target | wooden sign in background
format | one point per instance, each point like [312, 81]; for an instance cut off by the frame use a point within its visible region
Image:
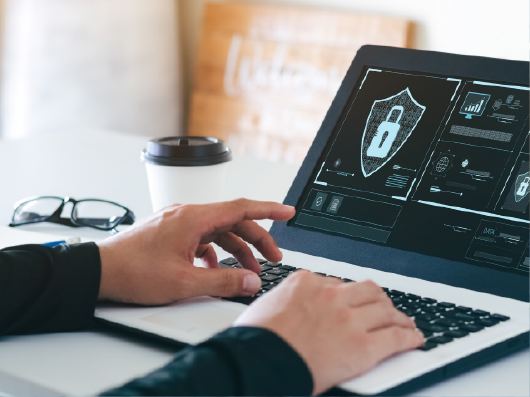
[266, 75]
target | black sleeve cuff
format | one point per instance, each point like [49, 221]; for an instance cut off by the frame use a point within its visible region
[266, 364]
[48, 289]
[239, 361]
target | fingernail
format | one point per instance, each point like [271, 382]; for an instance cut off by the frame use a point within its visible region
[251, 283]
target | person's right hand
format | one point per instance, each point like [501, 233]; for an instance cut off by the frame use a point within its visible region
[341, 330]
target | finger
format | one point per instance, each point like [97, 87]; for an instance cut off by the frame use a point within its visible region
[363, 293]
[225, 282]
[241, 251]
[207, 255]
[381, 315]
[220, 215]
[388, 341]
[254, 234]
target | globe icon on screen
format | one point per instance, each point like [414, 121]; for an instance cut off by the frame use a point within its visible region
[442, 164]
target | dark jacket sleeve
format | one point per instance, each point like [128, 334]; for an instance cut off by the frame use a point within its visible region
[239, 361]
[46, 289]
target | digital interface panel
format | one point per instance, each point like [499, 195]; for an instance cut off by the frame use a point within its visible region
[432, 164]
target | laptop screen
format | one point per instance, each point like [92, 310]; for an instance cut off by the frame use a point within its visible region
[432, 164]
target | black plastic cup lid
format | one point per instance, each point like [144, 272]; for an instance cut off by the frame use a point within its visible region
[186, 151]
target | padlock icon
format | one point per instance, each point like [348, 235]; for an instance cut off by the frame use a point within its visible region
[385, 136]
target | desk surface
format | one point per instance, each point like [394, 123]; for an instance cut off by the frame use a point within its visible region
[106, 165]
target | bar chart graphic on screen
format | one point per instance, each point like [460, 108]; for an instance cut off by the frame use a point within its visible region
[474, 104]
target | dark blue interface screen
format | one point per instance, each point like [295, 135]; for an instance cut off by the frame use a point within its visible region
[432, 164]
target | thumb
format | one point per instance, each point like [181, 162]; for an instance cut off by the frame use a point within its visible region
[226, 282]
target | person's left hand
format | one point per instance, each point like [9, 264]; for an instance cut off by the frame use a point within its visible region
[152, 262]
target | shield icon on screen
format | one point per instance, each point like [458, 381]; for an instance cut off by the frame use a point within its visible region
[389, 125]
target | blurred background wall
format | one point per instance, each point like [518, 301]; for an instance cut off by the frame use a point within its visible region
[90, 64]
[128, 65]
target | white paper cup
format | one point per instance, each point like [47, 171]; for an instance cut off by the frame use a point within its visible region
[185, 170]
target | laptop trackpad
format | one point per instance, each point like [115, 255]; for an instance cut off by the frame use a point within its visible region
[197, 318]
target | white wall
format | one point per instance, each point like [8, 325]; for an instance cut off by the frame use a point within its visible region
[491, 28]
[73, 65]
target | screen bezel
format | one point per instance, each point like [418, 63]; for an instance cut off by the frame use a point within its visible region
[411, 264]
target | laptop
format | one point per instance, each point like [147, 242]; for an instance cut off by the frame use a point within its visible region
[418, 179]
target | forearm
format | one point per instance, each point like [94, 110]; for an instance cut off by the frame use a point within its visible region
[48, 289]
[238, 361]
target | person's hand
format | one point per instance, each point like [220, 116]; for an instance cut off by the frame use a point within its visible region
[152, 262]
[341, 330]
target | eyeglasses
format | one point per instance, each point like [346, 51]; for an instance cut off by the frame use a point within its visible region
[94, 213]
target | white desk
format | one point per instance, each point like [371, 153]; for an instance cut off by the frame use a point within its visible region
[105, 165]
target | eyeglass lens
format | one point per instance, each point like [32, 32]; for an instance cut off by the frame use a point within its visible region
[97, 214]
[36, 210]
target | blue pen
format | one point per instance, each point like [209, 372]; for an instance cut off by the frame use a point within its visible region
[72, 240]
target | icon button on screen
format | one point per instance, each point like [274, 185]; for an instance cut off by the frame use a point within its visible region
[318, 203]
[334, 205]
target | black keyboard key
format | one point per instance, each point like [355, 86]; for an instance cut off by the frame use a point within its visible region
[427, 316]
[464, 309]
[440, 340]
[238, 266]
[261, 261]
[257, 295]
[449, 322]
[429, 301]
[500, 317]
[396, 292]
[461, 316]
[480, 313]
[268, 287]
[385, 290]
[432, 309]
[456, 333]
[423, 325]
[288, 268]
[427, 346]
[320, 274]
[407, 311]
[277, 271]
[348, 280]
[273, 264]
[446, 305]
[426, 334]
[413, 297]
[397, 301]
[269, 277]
[471, 327]
[229, 261]
[404, 306]
[413, 304]
[264, 268]
[330, 276]
[488, 322]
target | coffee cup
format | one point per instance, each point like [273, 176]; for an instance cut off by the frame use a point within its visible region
[185, 170]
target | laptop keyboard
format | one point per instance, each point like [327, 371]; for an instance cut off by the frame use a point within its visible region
[440, 322]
